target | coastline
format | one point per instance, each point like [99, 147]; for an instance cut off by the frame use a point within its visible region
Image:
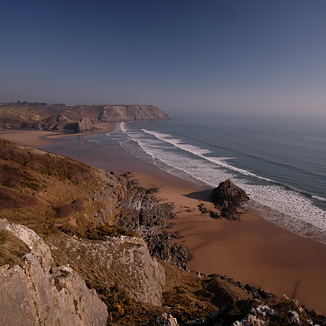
[36, 138]
[251, 251]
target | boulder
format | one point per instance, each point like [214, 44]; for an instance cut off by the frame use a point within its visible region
[227, 196]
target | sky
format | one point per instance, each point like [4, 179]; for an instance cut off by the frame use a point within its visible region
[183, 56]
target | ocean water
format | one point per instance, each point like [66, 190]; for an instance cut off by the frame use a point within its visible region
[280, 163]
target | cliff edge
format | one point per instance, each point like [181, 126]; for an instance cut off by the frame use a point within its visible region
[72, 118]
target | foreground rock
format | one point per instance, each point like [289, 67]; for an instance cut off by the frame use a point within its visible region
[122, 261]
[228, 197]
[33, 294]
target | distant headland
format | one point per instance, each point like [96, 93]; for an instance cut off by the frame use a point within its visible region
[74, 118]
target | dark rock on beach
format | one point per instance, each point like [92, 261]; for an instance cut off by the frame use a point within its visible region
[227, 196]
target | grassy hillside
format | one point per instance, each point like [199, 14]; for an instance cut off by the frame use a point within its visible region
[44, 191]
[59, 197]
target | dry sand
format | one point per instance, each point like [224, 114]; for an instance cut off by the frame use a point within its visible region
[43, 138]
[27, 137]
[251, 251]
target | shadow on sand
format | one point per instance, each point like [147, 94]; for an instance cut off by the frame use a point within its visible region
[203, 195]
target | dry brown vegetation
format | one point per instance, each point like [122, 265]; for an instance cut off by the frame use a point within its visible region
[12, 249]
[46, 191]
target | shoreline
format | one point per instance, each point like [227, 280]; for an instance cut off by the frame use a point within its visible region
[252, 251]
[36, 138]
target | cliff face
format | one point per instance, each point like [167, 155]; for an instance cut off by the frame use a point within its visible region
[76, 118]
[117, 113]
[67, 203]
[35, 294]
[123, 260]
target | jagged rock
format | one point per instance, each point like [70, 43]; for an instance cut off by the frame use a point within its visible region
[161, 247]
[164, 320]
[122, 261]
[52, 122]
[85, 125]
[294, 317]
[227, 196]
[33, 295]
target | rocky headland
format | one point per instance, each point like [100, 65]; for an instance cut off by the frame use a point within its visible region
[83, 246]
[71, 118]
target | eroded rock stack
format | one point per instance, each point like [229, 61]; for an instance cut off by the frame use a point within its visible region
[85, 125]
[228, 197]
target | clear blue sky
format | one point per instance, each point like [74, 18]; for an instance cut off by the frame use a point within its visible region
[180, 55]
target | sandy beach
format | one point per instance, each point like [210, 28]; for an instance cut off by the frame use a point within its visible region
[251, 251]
[37, 138]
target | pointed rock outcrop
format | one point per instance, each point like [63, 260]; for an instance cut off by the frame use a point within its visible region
[227, 196]
[85, 125]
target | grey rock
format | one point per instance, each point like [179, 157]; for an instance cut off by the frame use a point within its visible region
[164, 320]
[123, 260]
[33, 295]
[85, 125]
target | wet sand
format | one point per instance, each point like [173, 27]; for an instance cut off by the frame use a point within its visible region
[251, 251]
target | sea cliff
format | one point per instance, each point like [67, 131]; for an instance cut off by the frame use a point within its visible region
[79, 243]
[73, 118]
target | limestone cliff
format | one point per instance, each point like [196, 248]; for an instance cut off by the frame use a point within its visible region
[123, 260]
[35, 294]
[85, 125]
[117, 113]
[74, 118]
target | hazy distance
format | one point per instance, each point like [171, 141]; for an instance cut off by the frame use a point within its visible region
[266, 57]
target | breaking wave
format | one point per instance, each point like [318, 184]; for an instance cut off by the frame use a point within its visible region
[278, 203]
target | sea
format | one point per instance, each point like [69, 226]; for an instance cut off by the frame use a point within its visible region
[279, 161]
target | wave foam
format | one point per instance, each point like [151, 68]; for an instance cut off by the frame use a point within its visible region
[201, 151]
[285, 207]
